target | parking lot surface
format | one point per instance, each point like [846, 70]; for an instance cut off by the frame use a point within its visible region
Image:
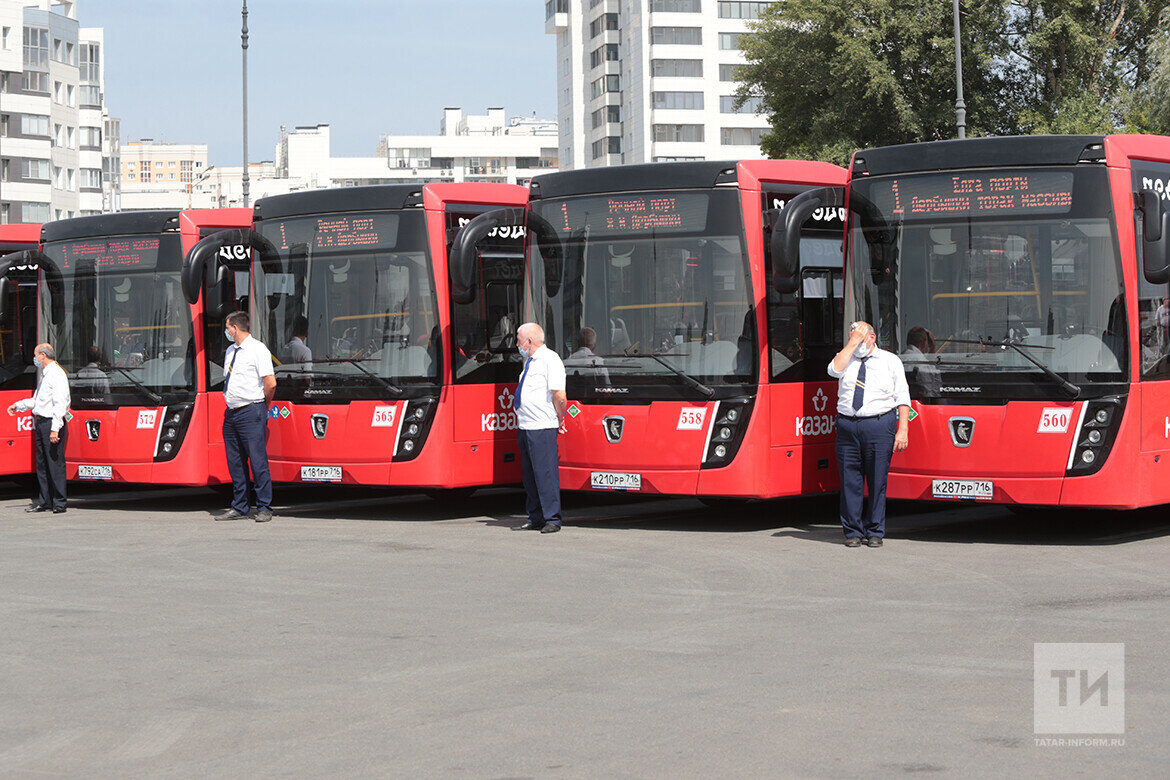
[368, 633]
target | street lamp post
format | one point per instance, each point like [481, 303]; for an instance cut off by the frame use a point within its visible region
[960, 106]
[244, 47]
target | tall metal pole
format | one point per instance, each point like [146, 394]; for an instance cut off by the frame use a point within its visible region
[960, 106]
[244, 46]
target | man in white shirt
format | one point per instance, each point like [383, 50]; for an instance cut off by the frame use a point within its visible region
[249, 384]
[540, 413]
[873, 418]
[49, 406]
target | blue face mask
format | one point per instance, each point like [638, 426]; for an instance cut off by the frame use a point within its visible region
[523, 352]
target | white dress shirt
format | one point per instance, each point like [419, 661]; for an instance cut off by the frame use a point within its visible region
[885, 384]
[51, 398]
[296, 351]
[243, 381]
[542, 375]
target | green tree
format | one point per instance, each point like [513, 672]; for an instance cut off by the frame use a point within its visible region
[838, 75]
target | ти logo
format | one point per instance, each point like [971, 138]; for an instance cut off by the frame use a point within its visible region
[1078, 688]
[820, 400]
[506, 398]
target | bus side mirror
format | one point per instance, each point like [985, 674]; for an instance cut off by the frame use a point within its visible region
[3, 298]
[49, 270]
[208, 250]
[221, 294]
[463, 257]
[785, 242]
[1155, 230]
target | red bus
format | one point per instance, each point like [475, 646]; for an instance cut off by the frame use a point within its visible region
[129, 342]
[381, 378]
[19, 279]
[1025, 281]
[688, 371]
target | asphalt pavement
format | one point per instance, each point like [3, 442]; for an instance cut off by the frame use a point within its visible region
[374, 633]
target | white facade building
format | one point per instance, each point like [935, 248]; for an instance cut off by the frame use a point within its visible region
[54, 141]
[651, 81]
[486, 148]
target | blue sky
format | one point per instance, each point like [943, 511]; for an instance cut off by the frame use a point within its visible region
[363, 66]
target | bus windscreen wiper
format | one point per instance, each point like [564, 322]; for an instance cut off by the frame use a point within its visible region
[149, 393]
[687, 379]
[987, 341]
[357, 363]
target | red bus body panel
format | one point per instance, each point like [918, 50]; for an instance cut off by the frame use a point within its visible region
[463, 448]
[16, 441]
[774, 458]
[129, 434]
[1028, 466]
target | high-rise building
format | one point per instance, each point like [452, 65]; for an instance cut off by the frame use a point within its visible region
[54, 145]
[652, 80]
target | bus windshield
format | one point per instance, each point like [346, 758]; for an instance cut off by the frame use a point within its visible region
[991, 283]
[654, 290]
[127, 336]
[348, 305]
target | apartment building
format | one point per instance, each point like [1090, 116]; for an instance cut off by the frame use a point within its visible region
[158, 175]
[55, 149]
[652, 81]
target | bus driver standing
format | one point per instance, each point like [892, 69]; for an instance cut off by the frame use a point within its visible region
[873, 418]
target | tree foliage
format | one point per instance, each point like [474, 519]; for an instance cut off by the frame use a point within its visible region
[839, 75]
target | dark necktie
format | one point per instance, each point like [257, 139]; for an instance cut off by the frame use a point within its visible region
[859, 389]
[519, 387]
[236, 354]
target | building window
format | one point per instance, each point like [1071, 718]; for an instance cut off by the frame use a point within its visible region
[752, 105]
[90, 96]
[729, 72]
[603, 23]
[70, 96]
[35, 212]
[730, 41]
[555, 7]
[688, 100]
[741, 136]
[34, 124]
[57, 50]
[36, 47]
[91, 178]
[607, 53]
[733, 9]
[34, 170]
[70, 138]
[683, 35]
[678, 132]
[70, 53]
[90, 70]
[609, 145]
[606, 84]
[35, 81]
[676, 6]
[58, 92]
[171, 164]
[606, 114]
[685, 68]
[91, 137]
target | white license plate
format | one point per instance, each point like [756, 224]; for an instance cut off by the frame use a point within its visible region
[615, 480]
[320, 473]
[95, 472]
[963, 488]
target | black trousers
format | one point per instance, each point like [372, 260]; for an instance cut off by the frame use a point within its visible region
[50, 463]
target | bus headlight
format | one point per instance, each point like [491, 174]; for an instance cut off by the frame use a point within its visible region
[417, 417]
[1088, 456]
[1095, 435]
[175, 420]
[726, 431]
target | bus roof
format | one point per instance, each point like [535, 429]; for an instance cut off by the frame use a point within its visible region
[624, 178]
[994, 152]
[375, 197]
[19, 233]
[119, 223]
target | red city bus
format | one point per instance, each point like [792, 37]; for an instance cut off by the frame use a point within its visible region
[381, 380]
[130, 345]
[1024, 279]
[19, 278]
[688, 371]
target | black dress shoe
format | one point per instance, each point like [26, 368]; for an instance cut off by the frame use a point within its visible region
[263, 516]
[36, 508]
[853, 541]
[874, 541]
[528, 527]
[550, 528]
[58, 510]
[231, 514]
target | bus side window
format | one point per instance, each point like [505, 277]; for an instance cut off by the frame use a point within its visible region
[1153, 328]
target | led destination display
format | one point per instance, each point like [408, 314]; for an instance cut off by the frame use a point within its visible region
[975, 194]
